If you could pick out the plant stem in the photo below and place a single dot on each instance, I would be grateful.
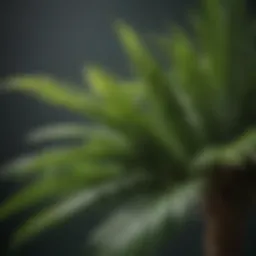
(226, 205)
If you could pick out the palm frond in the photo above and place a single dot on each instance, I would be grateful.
(71, 205)
(117, 102)
(103, 144)
(247, 79)
(58, 131)
(57, 93)
(51, 91)
(136, 226)
(50, 161)
(84, 132)
(166, 101)
(222, 31)
(59, 182)
(236, 153)
(188, 74)
(34, 194)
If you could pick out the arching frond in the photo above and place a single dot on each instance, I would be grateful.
(166, 102)
(236, 153)
(59, 132)
(60, 182)
(95, 151)
(51, 91)
(73, 203)
(137, 226)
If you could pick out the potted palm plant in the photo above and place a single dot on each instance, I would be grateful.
(167, 139)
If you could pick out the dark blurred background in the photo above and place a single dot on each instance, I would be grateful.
(58, 37)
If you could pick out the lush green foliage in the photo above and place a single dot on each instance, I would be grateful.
(157, 134)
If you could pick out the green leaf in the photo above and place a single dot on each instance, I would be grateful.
(135, 49)
(142, 221)
(72, 205)
(101, 82)
(196, 97)
(69, 179)
(235, 153)
(43, 161)
(76, 131)
(59, 94)
(32, 194)
(102, 144)
(117, 102)
(59, 132)
(166, 102)
(51, 91)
